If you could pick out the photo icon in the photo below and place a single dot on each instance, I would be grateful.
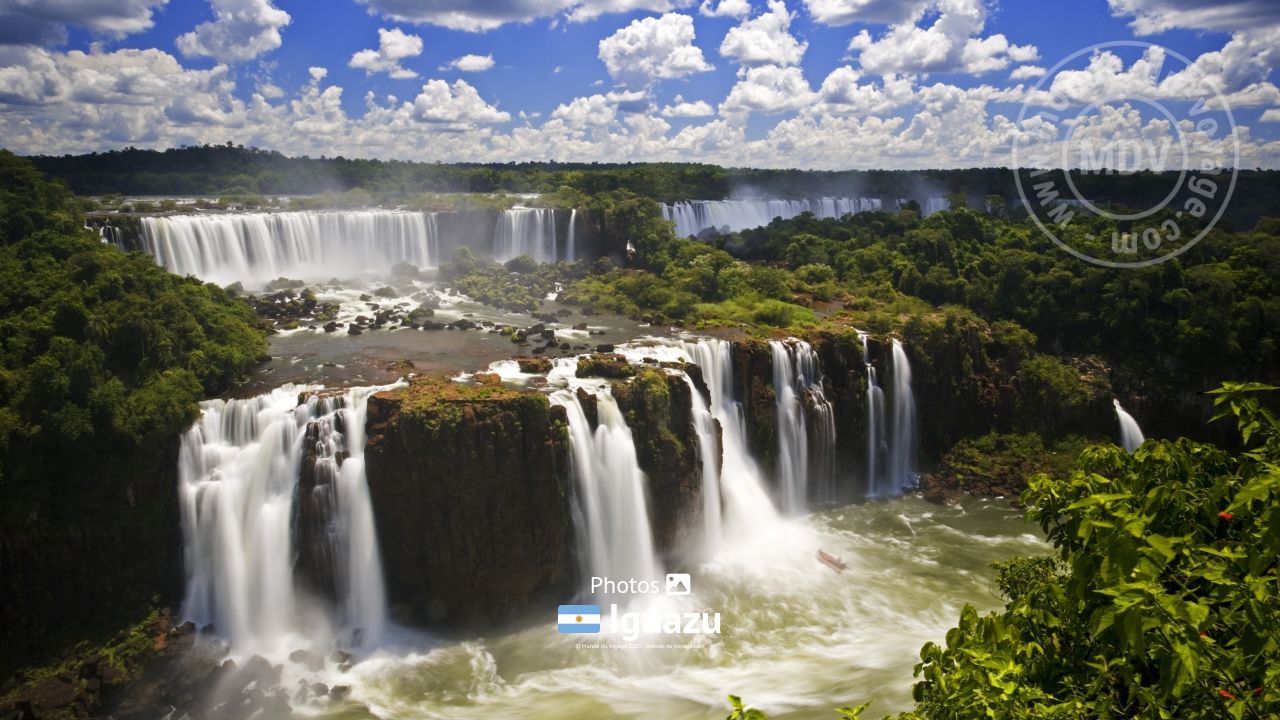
(679, 584)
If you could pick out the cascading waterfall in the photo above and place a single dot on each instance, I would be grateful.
(902, 449)
(745, 503)
(611, 491)
(571, 246)
(933, 205)
(694, 216)
(238, 470)
(256, 247)
(797, 383)
(1131, 436)
(875, 421)
(525, 231)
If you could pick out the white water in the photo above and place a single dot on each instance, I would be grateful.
(257, 247)
(746, 507)
(802, 475)
(694, 216)
(611, 491)
(525, 231)
(902, 448)
(1131, 436)
(875, 421)
(933, 205)
(571, 245)
(238, 478)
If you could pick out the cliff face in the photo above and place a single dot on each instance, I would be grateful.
(470, 489)
(753, 387)
(91, 560)
(659, 409)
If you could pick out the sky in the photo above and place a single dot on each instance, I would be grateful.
(826, 84)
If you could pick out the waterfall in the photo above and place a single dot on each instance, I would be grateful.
(1130, 433)
(704, 425)
(933, 205)
(875, 420)
(902, 448)
(797, 383)
(256, 247)
(571, 248)
(693, 216)
(746, 506)
(611, 492)
(239, 491)
(525, 231)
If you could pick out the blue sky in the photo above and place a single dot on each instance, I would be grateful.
(806, 83)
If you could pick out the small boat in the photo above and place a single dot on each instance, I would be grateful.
(832, 561)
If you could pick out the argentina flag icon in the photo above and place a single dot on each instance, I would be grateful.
(579, 619)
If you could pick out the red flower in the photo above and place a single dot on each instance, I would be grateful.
(1226, 695)
(1257, 691)
(1226, 515)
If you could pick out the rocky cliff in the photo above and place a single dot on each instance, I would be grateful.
(470, 488)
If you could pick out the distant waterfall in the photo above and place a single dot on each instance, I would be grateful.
(611, 490)
(525, 231)
(693, 216)
(746, 504)
(1131, 436)
(797, 381)
(239, 491)
(933, 205)
(902, 448)
(256, 247)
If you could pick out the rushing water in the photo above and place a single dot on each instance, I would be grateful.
(902, 449)
(238, 469)
(796, 639)
(1131, 436)
(525, 231)
(256, 247)
(616, 536)
(694, 216)
(797, 384)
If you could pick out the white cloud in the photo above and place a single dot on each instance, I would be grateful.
(482, 15)
(651, 49)
(682, 108)
(458, 106)
(1026, 72)
(767, 89)
(725, 8)
(951, 43)
(841, 93)
(1271, 115)
(843, 12)
(765, 40)
(241, 30)
(23, 22)
(394, 45)
(470, 63)
(596, 110)
(1156, 16)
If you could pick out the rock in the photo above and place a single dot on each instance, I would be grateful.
(51, 694)
(339, 657)
(319, 689)
(548, 334)
(606, 365)
(535, 330)
(463, 324)
(340, 692)
(580, 326)
(455, 473)
(331, 326)
(534, 365)
(604, 348)
(313, 661)
(354, 330)
(564, 312)
(484, 378)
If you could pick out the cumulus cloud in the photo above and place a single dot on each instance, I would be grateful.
(765, 40)
(651, 49)
(1157, 16)
(482, 15)
(767, 89)
(1271, 115)
(682, 108)
(470, 63)
(844, 12)
(950, 44)
(240, 30)
(456, 106)
(725, 8)
(394, 46)
(1026, 72)
(23, 22)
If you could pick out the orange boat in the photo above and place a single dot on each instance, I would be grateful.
(832, 561)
